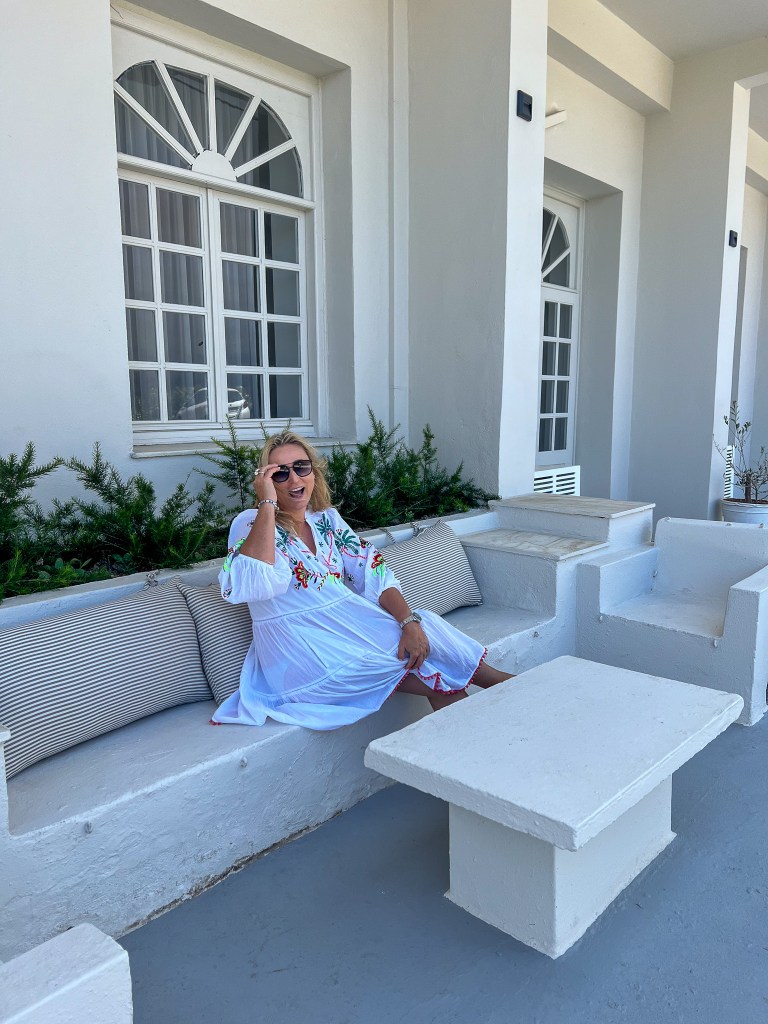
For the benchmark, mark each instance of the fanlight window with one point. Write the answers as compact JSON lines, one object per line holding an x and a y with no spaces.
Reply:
{"x":555,"y":251}
{"x":193,"y":121}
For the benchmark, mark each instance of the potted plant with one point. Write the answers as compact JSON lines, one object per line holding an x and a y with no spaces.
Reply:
{"x":750,"y":473}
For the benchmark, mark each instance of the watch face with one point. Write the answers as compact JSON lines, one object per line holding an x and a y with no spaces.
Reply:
{"x":416,"y":617}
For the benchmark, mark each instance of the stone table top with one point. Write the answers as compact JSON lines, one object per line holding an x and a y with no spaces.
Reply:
{"x":560,"y":752}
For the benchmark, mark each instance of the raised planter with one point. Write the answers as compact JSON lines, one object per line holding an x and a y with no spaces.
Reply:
{"x":736,"y":510}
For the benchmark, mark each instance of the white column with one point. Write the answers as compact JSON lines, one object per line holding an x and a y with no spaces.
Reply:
{"x":693,"y":194}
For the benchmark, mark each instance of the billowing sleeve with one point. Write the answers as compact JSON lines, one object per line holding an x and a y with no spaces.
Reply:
{"x":243,"y":578}
{"x":365,"y":571}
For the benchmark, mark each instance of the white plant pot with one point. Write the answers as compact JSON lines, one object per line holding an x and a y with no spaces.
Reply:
{"x":744,"y":512}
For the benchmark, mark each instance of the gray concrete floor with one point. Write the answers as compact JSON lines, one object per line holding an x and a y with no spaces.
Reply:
{"x":348,"y":925}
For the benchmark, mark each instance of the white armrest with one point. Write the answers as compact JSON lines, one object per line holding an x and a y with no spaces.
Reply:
{"x":623,"y":575}
{"x":747,"y":603}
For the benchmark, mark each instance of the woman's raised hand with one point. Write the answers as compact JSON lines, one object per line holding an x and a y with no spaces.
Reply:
{"x":262,"y":483}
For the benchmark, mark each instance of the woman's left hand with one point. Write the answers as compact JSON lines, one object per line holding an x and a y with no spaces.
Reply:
{"x":414,"y":646}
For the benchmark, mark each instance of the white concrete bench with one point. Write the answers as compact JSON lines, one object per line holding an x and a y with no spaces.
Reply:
{"x":118,"y":828}
{"x":559,"y":786}
{"x":694,"y":606}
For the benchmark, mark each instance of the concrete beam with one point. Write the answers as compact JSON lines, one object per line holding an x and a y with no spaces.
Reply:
{"x":600,"y":47}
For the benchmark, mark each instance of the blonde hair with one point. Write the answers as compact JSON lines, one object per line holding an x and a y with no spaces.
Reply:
{"x":321,"y":495}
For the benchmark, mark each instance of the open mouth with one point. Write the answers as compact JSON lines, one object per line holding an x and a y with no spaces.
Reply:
{"x":297,"y":492}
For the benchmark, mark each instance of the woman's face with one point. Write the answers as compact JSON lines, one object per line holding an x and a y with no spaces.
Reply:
{"x":294,"y":493}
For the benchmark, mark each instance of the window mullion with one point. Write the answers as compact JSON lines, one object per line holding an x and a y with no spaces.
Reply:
{"x":217,"y":347}
{"x":154,"y":229}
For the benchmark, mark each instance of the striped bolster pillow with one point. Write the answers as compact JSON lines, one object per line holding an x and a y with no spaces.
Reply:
{"x":67,"y":679}
{"x":433,"y":570}
{"x":224,"y":632}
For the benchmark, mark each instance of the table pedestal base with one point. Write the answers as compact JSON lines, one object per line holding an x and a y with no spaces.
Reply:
{"x":542,"y":895}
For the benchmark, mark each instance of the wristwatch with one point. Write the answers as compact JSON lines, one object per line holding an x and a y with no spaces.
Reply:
{"x":413,"y":617}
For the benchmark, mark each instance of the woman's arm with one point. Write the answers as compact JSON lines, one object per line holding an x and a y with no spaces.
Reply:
{"x":414,"y":643}
{"x":260,"y":542}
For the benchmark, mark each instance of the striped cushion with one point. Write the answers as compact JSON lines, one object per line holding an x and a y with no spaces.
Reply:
{"x":433,"y":570}
{"x":67,"y":679}
{"x":224,"y":632}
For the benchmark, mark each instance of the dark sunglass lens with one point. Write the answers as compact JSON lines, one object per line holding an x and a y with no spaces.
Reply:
{"x":303,"y":467}
{"x":281,"y":475}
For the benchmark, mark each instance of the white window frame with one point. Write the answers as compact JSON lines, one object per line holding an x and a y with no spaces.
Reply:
{"x":572,"y":296}
{"x":138,"y":36}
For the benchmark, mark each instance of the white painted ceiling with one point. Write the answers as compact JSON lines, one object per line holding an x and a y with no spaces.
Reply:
{"x":680,"y":28}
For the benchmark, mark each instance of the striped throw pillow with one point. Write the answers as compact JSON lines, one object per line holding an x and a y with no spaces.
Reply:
{"x":224,"y":632}
{"x":433,"y":570}
{"x":67,"y":679}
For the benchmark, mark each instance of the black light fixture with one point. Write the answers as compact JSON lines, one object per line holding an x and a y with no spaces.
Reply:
{"x":524,"y":105}
{"x":733,"y":239}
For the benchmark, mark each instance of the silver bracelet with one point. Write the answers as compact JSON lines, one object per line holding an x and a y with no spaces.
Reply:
{"x":266,"y":501}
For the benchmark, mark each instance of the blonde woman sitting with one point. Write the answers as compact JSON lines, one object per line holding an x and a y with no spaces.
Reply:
{"x":333,"y":635}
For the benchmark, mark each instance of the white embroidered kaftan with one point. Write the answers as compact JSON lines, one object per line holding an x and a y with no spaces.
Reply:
{"x":324,"y":652}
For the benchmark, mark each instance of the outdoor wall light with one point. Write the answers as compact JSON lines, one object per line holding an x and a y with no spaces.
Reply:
{"x":524,"y":105}
{"x":733,"y":239}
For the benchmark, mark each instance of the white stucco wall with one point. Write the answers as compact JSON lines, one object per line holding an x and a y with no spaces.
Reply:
{"x":693,"y":194}
{"x":753,"y":238}
{"x":475,"y":225}
{"x":597,"y":154}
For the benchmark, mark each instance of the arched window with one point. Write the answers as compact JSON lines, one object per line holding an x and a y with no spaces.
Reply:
{"x":214,"y":267}
{"x":560,"y":333}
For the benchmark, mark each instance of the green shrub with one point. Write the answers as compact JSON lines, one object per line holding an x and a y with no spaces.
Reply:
{"x":382,"y":481}
{"x":236,"y":462}
{"x":125,"y":530}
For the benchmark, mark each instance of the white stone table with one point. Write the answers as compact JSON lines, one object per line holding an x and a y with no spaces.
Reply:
{"x":559,"y":785}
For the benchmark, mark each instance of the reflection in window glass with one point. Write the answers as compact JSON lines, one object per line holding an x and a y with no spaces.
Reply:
{"x":548,"y":358}
{"x":546,"y":224}
{"x":230,"y":107}
{"x":134,"y":209}
{"x":562,"y":396}
{"x":144,"y":84}
{"x":137,"y":273}
{"x":547,"y":396}
{"x":561,"y":434}
{"x":281,"y":238}
{"x":181,"y":279}
{"x":145,"y":395}
{"x":281,"y":174}
{"x":187,"y":395}
{"x":564,"y":360}
{"x":193,"y":93}
{"x":283,"y":344}
{"x":566,"y":314}
{"x":244,"y":401}
{"x":560,"y":275}
{"x":142,"y":342}
{"x":242,"y":341}
{"x":285,"y":395}
{"x":241,"y":286}
{"x":136,"y":138}
{"x":178,"y":218}
{"x":239,"y":230}
{"x":263,"y":133}
{"x":545,"y":435}
{"x":550,"y":319}
{"x":282,"y":292}
{"x":184,"y":337}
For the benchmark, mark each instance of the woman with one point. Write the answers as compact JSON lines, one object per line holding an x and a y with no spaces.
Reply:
{"x":333,"y":635}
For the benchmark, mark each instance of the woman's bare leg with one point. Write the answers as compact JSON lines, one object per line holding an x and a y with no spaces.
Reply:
{"x":412,"y":684}
{"x":487,"y":676}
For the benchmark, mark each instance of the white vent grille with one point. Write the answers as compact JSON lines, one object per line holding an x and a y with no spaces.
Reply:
{"x":728,"y":474}
{"x":560,"y":480}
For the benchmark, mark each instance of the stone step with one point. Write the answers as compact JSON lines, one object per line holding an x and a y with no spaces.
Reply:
{"x":624,"y":523}
{"x":534,"y":545}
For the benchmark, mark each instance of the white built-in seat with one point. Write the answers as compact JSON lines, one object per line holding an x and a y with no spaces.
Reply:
{"x":694,"y":606}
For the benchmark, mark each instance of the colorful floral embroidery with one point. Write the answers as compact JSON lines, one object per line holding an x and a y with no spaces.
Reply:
{"x":378,"y":565}
{"x":303,"y":576}
{"x":232,"y":554}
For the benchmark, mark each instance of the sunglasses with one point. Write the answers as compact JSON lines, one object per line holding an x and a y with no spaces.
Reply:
{"x":302,"y":467}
